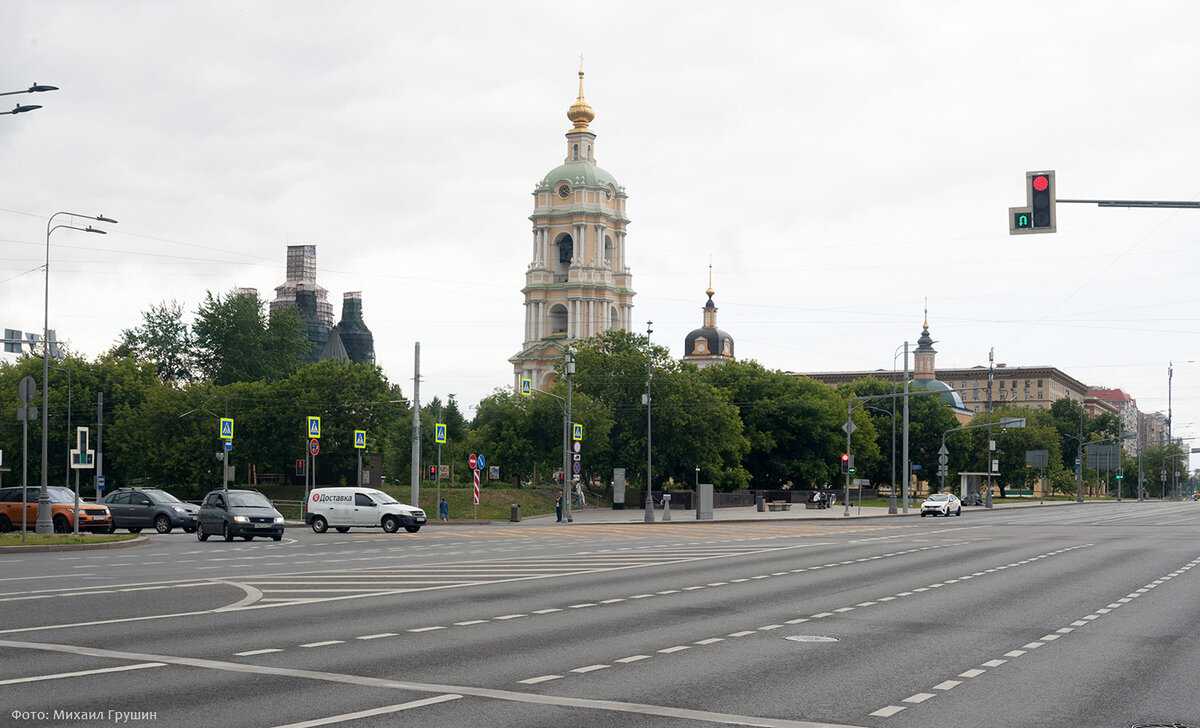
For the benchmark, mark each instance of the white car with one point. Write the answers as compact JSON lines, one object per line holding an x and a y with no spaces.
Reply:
{"x":941,"y":504}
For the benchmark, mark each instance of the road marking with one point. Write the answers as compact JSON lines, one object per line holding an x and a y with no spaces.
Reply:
{"x":511,"y":616}
{"x":710,"y":641}
{"x":677,"y":648}
{"x":633,"y":658}
{"x":1014,"y":653}
{"x":994,"y":663}
{"x":889,"y":711}
{"x":591,"y":668}
{"x":470,"y":622}
{"x":57,"y":676}
{"x":919,"y":698}
{"x":372,"y":712}
{"x":376,"y":636}
{"x":539,"y":611}
{"x":324,"y":643}
{"x":742,"y":633}
{"x":542,"y":679}
{"x":972,"y":673}
{"x":249,"y":653}
{"x":947,"y":685}
{"x":426,"y":629}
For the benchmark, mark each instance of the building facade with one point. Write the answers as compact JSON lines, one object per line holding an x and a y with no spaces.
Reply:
{"x":577,"y":283}
{"x":708,"y":345}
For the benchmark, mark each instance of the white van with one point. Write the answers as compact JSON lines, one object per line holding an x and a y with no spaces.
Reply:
{"x":343,"y":508}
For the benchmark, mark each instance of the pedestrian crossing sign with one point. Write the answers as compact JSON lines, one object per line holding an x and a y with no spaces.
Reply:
{"x":527,"y":387}
{"x":226,"y":428}
{"x":360,"y":439}
{"x":314,"y":428}
{"x":439,"y":433}
{"x":577,"y":432}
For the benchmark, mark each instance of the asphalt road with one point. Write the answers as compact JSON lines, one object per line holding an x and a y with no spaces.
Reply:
{"x":1082,"y":615}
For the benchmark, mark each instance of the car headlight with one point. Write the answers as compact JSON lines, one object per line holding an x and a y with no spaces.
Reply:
{"x":241,"y":519}
{"x":179,"y":509}
{"x":279,"y":519}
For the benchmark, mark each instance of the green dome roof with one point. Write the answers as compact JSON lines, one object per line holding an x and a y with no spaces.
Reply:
{"x":948,"y":396}
{"x":576,"y":173}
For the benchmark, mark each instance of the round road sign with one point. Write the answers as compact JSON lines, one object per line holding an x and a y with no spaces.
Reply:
{"x":314,"y":446}
{"x":472,"y":461}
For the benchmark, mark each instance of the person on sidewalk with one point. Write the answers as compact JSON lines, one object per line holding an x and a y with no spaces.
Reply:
{"x":558,"y":507}
{"x":444,"y":510}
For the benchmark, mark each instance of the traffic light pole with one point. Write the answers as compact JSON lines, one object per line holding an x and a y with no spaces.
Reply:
{"x":850,"y":427}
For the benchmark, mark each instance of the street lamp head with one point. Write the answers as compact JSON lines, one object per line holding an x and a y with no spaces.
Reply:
{"x":19,"y":109}
{"x":102,"y":218}
{"x":38,"y":87}
{"x":98,"y":231}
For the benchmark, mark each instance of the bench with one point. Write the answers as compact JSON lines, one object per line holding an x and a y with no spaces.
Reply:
{"x":779,"y":506}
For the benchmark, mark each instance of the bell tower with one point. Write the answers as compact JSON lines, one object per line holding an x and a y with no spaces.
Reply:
{"x":577,"y":283}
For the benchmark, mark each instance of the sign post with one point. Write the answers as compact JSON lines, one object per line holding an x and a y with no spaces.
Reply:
{"x":25,"y":390}
{"x":81,"y":457}
{"x":313,"y":428}
{"x":475,"y":472}
{"x":360,"y":443}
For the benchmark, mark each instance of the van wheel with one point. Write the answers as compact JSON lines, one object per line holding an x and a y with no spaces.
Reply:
{"x":319,"y":525}
{"x":162,"y":524}
{"x":412,"y":529}
{"x":390,"y":524}
{"x":277,"y":537}
{"x":200,"y":534}
{"x":343,"y":529}
{"x":61,"y":524}
{"x":226,"y":533}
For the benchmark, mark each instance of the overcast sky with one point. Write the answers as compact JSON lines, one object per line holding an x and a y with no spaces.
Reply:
{"x":838,"y":162}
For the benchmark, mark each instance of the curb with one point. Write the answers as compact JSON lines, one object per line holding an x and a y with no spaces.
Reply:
{"x":139,"y":541}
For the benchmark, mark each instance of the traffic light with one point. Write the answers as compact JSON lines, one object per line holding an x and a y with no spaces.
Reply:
{"x":845,"y":464}
{"x":433,"y":472}
{"x":1041,"y":199}
{"x":299,"y":468}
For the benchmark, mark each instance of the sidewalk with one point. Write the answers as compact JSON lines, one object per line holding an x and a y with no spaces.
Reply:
{"x":750,"y":514}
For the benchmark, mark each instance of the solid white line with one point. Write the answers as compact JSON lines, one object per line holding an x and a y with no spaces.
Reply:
{"x":57,"y":676}
{"x":374,"y":711}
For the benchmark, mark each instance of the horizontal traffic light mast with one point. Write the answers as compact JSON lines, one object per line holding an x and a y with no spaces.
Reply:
{"x":1038,"y":214}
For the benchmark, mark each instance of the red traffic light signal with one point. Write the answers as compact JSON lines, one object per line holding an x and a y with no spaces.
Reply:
{"x":433,"y":472}
{"x":845,"y":463}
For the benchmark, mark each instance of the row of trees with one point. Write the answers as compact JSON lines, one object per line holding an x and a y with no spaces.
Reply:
{"x":737,"y":425}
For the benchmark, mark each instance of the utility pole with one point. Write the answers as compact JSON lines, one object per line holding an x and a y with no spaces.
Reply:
{"x":567,"y":424}
{"x":416,"y":428}
{"x":649,"y":469}
{"x":99,"y":442}
{"x":988,"y":498}
{"x":904,"y":454}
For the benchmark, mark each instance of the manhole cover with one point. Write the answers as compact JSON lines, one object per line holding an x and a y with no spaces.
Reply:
{"x":810,"y":638}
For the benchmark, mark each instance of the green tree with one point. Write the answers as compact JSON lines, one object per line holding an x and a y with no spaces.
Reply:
{"x":164,"y":340}
{"x":236,"y":341}
{"x":792,"y":425}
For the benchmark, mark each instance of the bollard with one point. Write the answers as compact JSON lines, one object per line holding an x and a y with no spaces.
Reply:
{"x":761,"y":502}
{"x":515,"y":514}
{"x":666,"y":506}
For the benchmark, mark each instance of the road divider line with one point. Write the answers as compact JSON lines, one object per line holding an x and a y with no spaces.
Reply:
{"x":80,"y":673}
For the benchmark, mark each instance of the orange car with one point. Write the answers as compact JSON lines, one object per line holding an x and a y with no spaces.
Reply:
{"x":92,"y":517}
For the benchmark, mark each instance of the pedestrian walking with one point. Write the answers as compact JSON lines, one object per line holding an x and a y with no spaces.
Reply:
{"x":444,"y":510}
{"x":558,"y":507}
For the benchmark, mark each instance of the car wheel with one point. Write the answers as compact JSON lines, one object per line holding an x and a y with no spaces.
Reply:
{"x":922,"y":514}
{"x":412,"y":529}
{"x":226,"y":533}
{"x":390,"y":524}
{"x":319,"y":524}
{"x":200,"y":534}
{"x":343,"y":529}
{"x":61,"y":524}
{"x":5,"y":524}
{"x":959,"y":511}
{"x":248,"y":537}
{"x":112,"y":528}
{"x":277,"y":537}
{"x":135,"y":530}
{"x":162,"y":524}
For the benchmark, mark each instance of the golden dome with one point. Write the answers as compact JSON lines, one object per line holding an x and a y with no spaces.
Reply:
{"x":580,"y":113}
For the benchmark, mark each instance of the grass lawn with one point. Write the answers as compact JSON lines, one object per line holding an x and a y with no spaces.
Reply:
{"x":59,"y":539}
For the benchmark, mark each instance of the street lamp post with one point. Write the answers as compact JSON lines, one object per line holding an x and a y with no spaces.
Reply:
{"x":45,"y":523}
{"x":22,"y":108}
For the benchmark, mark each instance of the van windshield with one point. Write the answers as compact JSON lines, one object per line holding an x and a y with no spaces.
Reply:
{"x":383,"y":498}
{"x":249,"y":500}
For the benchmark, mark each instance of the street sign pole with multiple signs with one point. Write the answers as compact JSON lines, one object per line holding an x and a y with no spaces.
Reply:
{"x":360,"y":444}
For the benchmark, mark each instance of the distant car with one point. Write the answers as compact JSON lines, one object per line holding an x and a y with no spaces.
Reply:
{"x":138,"y":508}
{"x":93,"y":517}
{"x":344,"y":507}
{"x":245,"y":513}
{"x":941,"y":504}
